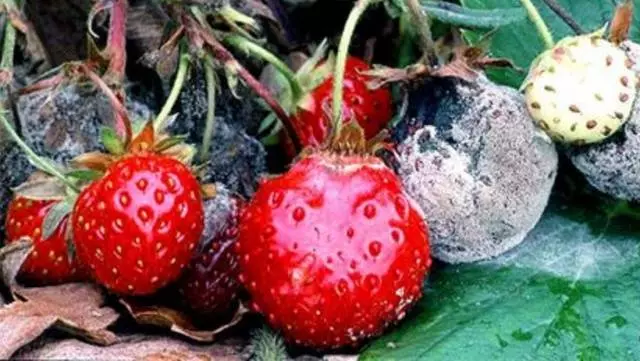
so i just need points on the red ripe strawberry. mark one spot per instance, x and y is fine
(333, 251)
(48, 263)
(372, 109)
(210, 284)
(137, 227)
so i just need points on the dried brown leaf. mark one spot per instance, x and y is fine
(143, 348)
(12, 256)
(75, 308)
(176, 321)
(621, 23)
(49, 188)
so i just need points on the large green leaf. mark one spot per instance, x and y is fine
(571, 291)
(520, 42)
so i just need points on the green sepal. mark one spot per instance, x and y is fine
(84, 175)
(169, 142)
(54, 217)
(112, 141)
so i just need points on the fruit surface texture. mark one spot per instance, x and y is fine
(49, 262)
(582, 90)
(333, 251)
(138, 226)
(371, 108)
(210, 285)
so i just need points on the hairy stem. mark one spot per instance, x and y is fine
(565, 16)
(341, 60)
(252, 48)
(421, 22)
(37, 161)
(116, 42)
(541, 26)
(176, 89)
(210, 77)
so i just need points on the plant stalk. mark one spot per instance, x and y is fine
(341, 60)
(9, 43)
(421, 22)
(123, 123)
(210, 77)
(226, 57)
(33, 157)
(176, 89)
(538, 22)
(565, 16)
(116, 42)
(252, 48)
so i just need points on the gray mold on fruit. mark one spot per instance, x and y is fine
(473, 160)
(236, 159)
(66, 122)
(15, 170)
(612, 167)
(217, 212)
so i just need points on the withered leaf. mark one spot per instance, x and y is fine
(75, 308)
(48, 188)
(176, 321)
(143, 348)
(12, 256)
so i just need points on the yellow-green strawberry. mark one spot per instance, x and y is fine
(582, 90)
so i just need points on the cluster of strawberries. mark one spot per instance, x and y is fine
(331, 252)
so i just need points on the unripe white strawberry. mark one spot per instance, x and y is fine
(582, 90)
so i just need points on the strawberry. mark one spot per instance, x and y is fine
(49, 262)
(583, 90)
(372, 109)
(137, 226)
(210, 284)
(333, 251)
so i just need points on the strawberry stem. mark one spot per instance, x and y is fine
(178, 83)
(421, 21)
(565, 16)
(341, 60)
(116, 42)
(35, 159)
(210, 77)
(9, 44)
(123, 124)
(252, 48)
(538, 21)
(226, 57)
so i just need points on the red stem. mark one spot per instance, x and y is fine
(42, 84)
(116, 42)
(226, 57)
(119, 110)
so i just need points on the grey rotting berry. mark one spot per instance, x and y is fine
(612, 167)
(471, 157)
(235, 158)
(65, 122)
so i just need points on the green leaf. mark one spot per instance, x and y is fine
(488, 18)
(520, 42)
(112, 141)
(52, 220)
(569, 292)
